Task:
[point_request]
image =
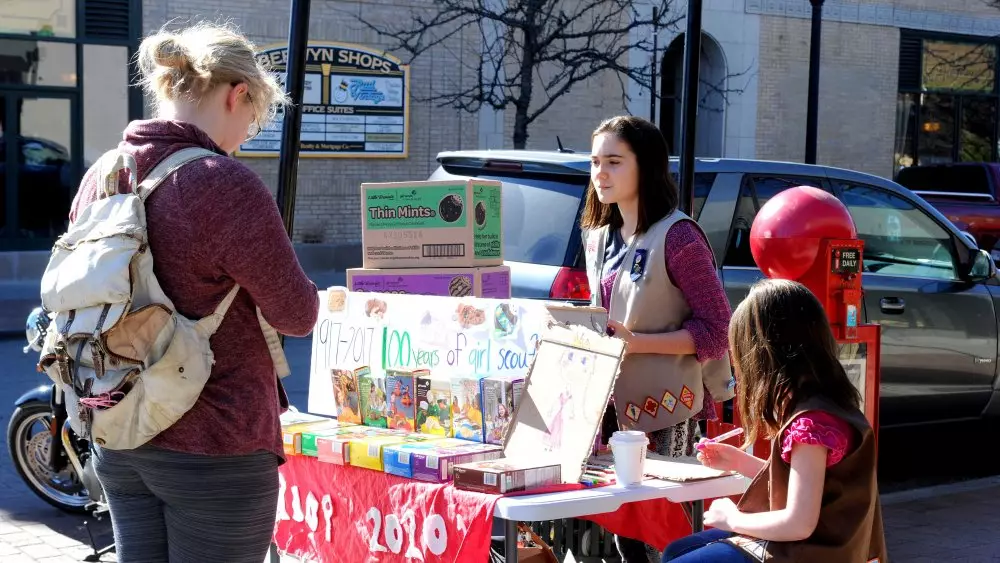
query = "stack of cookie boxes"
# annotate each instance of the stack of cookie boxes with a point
(432, 238)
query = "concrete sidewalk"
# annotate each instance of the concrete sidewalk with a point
(943, 524)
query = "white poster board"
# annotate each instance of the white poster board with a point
(450, 336)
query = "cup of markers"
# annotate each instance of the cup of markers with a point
(598, 474)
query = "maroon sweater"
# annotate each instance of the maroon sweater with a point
(212, 224)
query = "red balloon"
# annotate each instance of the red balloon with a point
(786, 233)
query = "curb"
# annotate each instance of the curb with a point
(935, 491)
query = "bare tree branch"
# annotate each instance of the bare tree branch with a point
(533, 52)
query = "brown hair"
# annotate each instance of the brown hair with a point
(188, 63)
(781, 342)
(657, 191)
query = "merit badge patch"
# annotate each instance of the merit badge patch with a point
(638, 264)
(651, 406)
(632, 412)
(669, 402)
(687, 397)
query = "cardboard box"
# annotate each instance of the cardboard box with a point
(466, 408)
(491, 282)
(452, 223)
(501, 394)
(402, 395)
(335, 447)
(367, 451)
(506, 475)
(345, 394)
(291, 434)
(432, 461)
(433, 406)
(307, 442)
(373, 399)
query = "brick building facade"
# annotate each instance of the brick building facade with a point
(877, 111)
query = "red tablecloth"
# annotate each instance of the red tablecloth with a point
(332, 513)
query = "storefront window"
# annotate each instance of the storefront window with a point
(39, 17)
(946, 110)
(25, 62)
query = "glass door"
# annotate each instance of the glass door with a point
(41, 169)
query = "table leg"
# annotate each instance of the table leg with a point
(510, 541)
(698, 516)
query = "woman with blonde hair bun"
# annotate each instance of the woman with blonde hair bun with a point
(206, 488)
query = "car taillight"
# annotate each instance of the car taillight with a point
(570, 283)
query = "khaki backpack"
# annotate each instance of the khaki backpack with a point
(130, 365)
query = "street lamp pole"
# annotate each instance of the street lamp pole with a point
(692, 57)
(812, 105)
(295, 80)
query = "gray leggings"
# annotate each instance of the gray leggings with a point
(172, 507)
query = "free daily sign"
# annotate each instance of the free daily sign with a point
(450, 336)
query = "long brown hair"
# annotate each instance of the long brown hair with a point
(782, 345)
(657, 191)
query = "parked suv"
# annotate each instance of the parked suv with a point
(934, 293)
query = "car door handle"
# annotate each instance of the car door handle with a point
(892, 304)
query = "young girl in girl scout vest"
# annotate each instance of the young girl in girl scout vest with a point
(793, 390)
(651, 266)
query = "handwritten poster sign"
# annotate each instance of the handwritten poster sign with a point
(449, 336)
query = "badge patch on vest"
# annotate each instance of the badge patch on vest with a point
(632, 412)
(669, 402)
(638, 264)
(687, 397)
(651, 406)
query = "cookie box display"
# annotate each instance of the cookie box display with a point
(507, 475)
(432, 461)
(431, 224)
(291, 434)
(374, 406)
(335, 446)
(433, 414)
(466, 408)
(500, 397)
(345, 394)
(400, 386)
(309, 436)
(366, 451)
(492, 282)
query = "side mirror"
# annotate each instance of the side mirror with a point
(971, 238)
(982, 267)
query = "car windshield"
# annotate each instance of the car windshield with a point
(539, 216)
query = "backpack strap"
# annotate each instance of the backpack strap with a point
(167, 167)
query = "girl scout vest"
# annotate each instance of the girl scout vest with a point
(850, 519)
(653, 391)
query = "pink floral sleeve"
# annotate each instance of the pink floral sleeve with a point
(819, 429)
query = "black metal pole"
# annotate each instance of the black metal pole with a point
(295, 79)
(652, 70)
(692, 57)
(812, 107)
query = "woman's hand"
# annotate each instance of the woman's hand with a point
(720, 513)
(619, 331)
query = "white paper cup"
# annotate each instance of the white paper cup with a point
(629, 449)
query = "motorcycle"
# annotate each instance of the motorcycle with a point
(51, 459)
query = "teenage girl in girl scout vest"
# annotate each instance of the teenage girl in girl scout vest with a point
(651, 266)
(815, 499)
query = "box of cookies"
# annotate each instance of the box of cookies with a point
(492, 282)
(366, 451)
(433, 414)
(291, 434)
(307, 439)
(401, 388)
(507, 475)
(334, 446)
(345, 395)
(501, 394)
(432, 224)
(371, 390)
(432, 460)
(466, 408)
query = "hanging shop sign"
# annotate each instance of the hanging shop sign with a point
(356, 103)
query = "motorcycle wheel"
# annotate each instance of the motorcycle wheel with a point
(28, 442)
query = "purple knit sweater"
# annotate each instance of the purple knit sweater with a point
(691, 267)
(213, 224)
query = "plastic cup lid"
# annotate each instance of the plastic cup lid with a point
(629, 436)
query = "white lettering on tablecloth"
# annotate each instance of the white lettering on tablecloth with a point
(311, 514)
(434, 533)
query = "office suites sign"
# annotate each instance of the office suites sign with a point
(355, 103)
